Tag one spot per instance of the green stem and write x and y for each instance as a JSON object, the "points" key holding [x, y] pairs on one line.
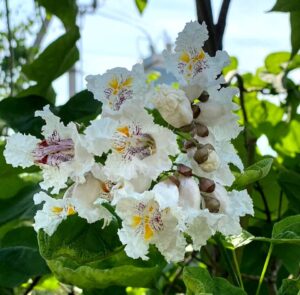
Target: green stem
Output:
{"points": [[237, 267], [231, 269], [262, 276]]}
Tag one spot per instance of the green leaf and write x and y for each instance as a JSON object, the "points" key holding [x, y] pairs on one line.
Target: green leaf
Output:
{"points": [[253, 173], [295, 28], [18, 113], [234, 242], [90, 257], [20, 258], [55, 60], [141, 5], [198, 281], [286, 5], [286, 231], [288, 228], [65, 10], [274, 62], [290, 287], [290, 184], [81, 108], [20, 206]]}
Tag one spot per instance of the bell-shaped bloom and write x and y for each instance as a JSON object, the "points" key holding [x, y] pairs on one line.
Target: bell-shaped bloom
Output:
{"points": [[152, 218], [190, 64], [138, 146], [173, 105], [217, 113], [117, 86], [61, 154]]}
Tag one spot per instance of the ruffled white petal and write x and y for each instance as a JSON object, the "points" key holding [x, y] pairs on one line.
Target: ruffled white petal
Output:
{"points": [[19, 148]]}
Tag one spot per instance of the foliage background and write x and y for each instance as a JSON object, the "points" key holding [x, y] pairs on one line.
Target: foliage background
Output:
{"points": [[80, 255]]}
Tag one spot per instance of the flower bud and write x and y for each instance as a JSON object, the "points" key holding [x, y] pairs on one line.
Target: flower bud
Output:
{"points": [[196, 111], [174, 180], [187, 128], [188, 144], [173, 105], [211, 203], [207, 185], [201, 155], [204, 96], [212, 161], [200, 130], [184, 170]]}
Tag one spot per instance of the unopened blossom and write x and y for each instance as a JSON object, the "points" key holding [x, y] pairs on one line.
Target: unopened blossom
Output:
{"points": [[190, 64], [61, 154], [118, 86], [149, 218], [173, 105], [138, 146]]}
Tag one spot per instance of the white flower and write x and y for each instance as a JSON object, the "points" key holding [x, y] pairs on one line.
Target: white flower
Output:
{"points": [[88, 198], [221, 175], [139, 147], [173, 105], [53, 213], [190, 64], [60, 155], [145, 221], [217, 113], [230, 207], [117, 86]]}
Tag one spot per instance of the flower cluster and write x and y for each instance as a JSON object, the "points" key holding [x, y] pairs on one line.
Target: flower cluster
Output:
{"points": [[165, 181]]}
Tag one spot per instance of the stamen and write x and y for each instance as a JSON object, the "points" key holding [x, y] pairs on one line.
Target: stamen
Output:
{"points": [[53, 151]]}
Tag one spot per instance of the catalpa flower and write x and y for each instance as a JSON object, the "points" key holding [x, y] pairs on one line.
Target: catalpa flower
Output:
{"points": [[152, 218], [190, 64], [217, 113], [117, 86], [53, 213], [138, 146], [85, 199], [60, 155]]}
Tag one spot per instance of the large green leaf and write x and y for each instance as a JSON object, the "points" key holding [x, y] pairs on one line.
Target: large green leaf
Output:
{"points": [[18, 113], [20, 206], [253, 173], [290, 287], [65, 10], [81, 108], [91, 257], [286, 5], [20, 258], [55, 60], [198, 281]]}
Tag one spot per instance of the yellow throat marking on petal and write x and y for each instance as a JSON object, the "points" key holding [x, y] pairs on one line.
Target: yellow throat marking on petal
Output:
{"points": [[57, 210], [124, 130], [71, 210], [200, 56], [136, 220], [127, 82], [148, 232], [185, 57], [114, 84]]}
